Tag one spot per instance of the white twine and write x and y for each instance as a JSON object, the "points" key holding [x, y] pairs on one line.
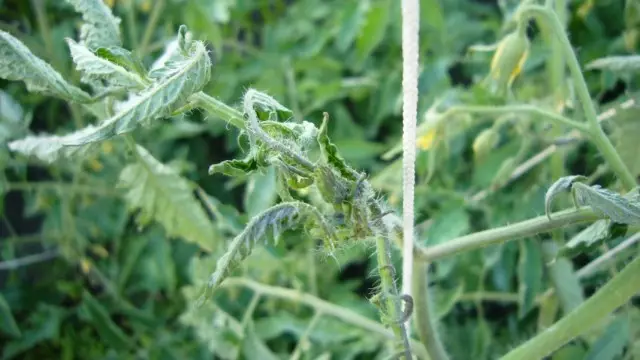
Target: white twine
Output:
{"points": [[410, 47]]}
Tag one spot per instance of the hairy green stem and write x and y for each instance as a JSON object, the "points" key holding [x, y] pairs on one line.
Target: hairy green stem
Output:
{"points": [[325, 307], [424, 317], [390, 296], [593, 311], [505, 233], [218, 108], [549, 18]]}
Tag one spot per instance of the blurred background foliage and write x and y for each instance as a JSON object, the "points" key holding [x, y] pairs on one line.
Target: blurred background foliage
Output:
{"points": [[81, 278]]}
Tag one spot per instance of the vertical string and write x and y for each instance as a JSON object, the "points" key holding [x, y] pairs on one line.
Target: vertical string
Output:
{"points": [[410, 27]]}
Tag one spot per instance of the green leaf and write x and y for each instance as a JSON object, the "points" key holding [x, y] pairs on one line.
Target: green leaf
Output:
{"points": [[562, 184], [17, 63], [622, 210], [13, 121], [592, 236], [267, 225], [183, 78], [445, 299], [374, 29], [100, 28], [331, 155], [162, 195], [448, 225], [98, 316], [260, 193], [8, 324], [352, 19], [123, 58], [612, 342], [96, 70], [254, 348], [562, 274], [629, 63], [235, 167], [43, 324], [529, 275], [625, 132]]}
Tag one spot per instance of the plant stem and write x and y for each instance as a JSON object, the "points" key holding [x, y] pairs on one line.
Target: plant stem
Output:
{"points": [[219, 109], [493, 110], [597, 135], [326, 308], [505, 233], [611, 296], [423, 313], [592, 267], [29, 260], [390, 296]]}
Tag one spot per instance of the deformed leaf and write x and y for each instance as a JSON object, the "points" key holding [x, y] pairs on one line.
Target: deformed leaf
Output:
{"points": [[622, 210], [235, 167], [98, 70], [160, 194], [182, 79], [330, 153], [562, 184], [100, 28], [629, 63], [18, 63], [267, 225], [50, 148]]}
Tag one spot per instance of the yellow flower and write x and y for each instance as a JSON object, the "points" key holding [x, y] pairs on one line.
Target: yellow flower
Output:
{"points": [[425, 142], [100, 251], [110, 3]]}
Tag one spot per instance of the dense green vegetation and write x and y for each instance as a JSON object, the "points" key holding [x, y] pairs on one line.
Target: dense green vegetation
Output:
{"points": [[114, 219]]}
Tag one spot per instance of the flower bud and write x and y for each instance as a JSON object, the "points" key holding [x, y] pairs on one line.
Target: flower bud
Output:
{"points": [[509, 58], [485, 142]]}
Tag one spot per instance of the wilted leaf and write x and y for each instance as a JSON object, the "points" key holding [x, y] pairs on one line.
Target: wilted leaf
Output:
{"points": [[100, 28], [562, 184], [17, 63], [160, 194]]}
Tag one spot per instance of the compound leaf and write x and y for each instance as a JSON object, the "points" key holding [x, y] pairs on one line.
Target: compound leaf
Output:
{"points": [[182, 78], [160, 194], [96, 70], [18, 63], [562, 184], [100, 28]]}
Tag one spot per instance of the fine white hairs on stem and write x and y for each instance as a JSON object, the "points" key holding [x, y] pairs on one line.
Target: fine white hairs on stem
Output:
{"points": [[410, 28]]}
